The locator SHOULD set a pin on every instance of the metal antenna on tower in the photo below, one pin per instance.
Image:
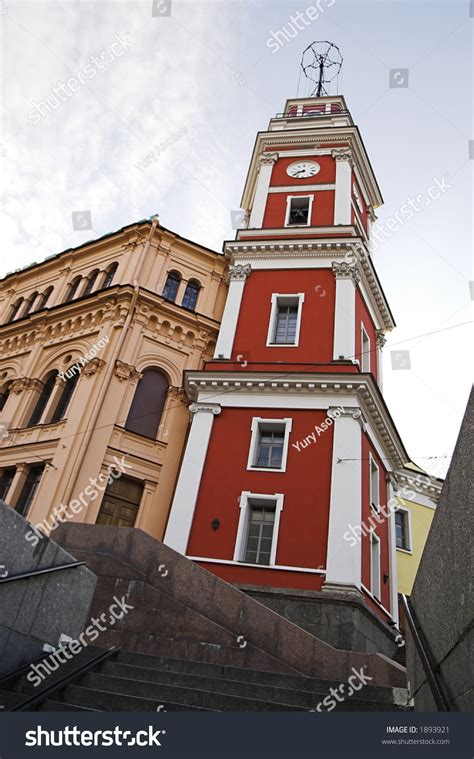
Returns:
(321, 63)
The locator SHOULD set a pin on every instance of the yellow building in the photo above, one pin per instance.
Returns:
(417, 494)
(93, 345)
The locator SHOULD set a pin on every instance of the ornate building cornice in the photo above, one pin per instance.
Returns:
(343, 270)
(126, 371)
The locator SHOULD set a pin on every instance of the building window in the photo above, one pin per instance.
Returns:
(170, 289)
(72, 289)
(375, 565)
(14, 310)
(402, 529)
(44, 298)
(29, 489)
(191, 295)
(64, 399)
(121, 502)
(44, 396)
(260, 534)
(148, 403)
(91, 280)
(364, 350)
(257, 533)
(374, 484)
(285, 320)
(6, 479)
(269, 444)
(29, 304)
(110, 275)
(298, 210)
(4, 393)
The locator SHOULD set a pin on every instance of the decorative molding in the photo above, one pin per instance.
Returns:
(239, 272)
(175, 392)
(126, 371)
(266, 159)
(20, 384)
(93, 366)
(343, 270)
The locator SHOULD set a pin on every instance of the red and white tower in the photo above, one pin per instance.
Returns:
(291, 445)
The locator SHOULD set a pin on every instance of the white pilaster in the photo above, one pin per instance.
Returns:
(343, 194)
(237, 276)
(347, 277)
(392, 557)
(267, 161)
(344, 558)
(187, 489)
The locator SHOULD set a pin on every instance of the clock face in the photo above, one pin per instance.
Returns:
(303, 169)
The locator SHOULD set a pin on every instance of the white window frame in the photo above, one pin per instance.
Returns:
(247, 500)
(276, 299)
(409, 541)
(257, 422)
(376, 591)
(365, 355)
(289, 198)
(374, 503)
(356, 194)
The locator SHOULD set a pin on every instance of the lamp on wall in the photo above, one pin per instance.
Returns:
(215, 524)
(385, 577)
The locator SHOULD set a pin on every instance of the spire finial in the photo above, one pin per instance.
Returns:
(321, 63)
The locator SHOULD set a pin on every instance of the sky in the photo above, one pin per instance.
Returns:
(162, 118)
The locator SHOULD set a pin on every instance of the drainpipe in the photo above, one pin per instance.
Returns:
(100, 400)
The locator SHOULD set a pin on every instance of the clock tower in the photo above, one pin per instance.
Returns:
(287, 478)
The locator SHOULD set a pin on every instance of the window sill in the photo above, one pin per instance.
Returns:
(405, 550)
(279, 567)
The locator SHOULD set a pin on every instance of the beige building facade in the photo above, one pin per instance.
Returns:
(93, 345)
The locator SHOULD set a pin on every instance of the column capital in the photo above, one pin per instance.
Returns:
(267, 159)
(93, 366)
(343, 154)
(239, 272)
(343, 270)
(23, 383)
(335, 412)
(209, 408)
(380, 338)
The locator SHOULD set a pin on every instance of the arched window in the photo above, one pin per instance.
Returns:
(14, 310)
(29, 304)
(73, 286)
(170, 289)
(110, 275)
(91, 280)
(148, 403)
(66, 395)
(191, 294)
(4, 393)
(44, 298)
(44, 396)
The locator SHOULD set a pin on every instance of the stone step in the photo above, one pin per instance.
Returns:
(78, 697)
(285, 695)
(398, 696)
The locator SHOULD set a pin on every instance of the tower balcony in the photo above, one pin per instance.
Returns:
(312, 112)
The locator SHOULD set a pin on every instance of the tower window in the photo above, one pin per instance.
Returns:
(6, 479)
(72, 289)
(260, 534)
(91, 280)
(285, 319)
(43, 399)
(298, 211)
(364, 350)
(375, 565)
(402, 529)
(29, 489)
(110, 275)
(269, 444)
(170, 289)
(64, 399)
(148, 403)
(374, 485)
